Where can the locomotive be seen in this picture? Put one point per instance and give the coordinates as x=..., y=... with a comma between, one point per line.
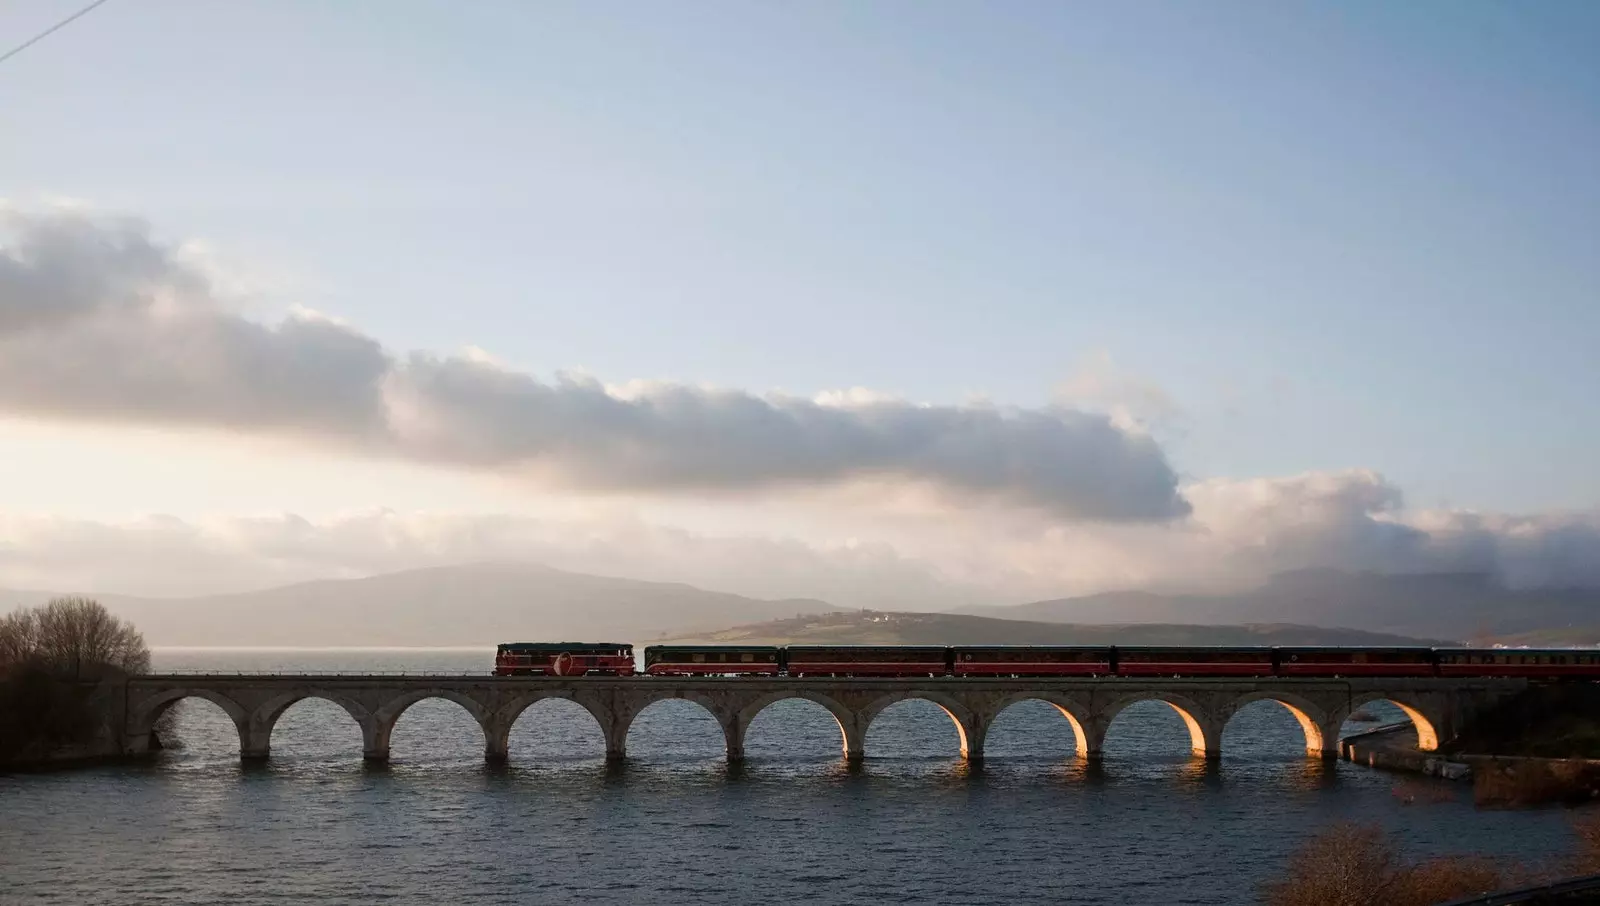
x=563, y=659
x=613, y=659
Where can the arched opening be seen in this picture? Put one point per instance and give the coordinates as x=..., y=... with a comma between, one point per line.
x=313, y=728
x=1271, y=729
x=194, y=729
x=435, y=728
x=1376, y=713
x=794, y=730
x=1033, y=729
x=676, y=730
x=1154, y=730
x=914, y=728
x=556, y=731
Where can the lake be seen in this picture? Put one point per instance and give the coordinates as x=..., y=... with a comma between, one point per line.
x=676, y=824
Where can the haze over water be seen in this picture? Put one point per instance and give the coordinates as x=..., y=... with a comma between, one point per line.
x=914, y=824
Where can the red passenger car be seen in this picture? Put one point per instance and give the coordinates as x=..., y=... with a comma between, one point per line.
x=711, y=660
x=1355, y=661
x=867, y=660
x=1031, y=660
x=1571, y=662
x=1152, y=661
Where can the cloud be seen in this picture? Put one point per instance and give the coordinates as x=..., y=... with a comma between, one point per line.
x=1241, y=532
x=99, y=321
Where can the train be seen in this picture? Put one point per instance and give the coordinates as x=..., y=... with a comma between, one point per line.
x=617, y=659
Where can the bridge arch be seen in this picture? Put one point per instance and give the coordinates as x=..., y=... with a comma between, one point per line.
x=1320, y=737
x=1426, y=723
x=265, y=717
x=732, y=736
x=142, y=720
x=963, y=718
x=1077, y=716
x=498, y=728
x=1205, y=732
x=850, y=732
x=389, y=713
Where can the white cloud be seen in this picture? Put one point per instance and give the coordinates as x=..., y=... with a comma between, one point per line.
x=1240, y=533
x=100, y=322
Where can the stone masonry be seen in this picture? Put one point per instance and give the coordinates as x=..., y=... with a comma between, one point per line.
x=1438, y=707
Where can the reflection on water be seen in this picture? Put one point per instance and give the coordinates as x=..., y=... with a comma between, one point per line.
x=1033, y=823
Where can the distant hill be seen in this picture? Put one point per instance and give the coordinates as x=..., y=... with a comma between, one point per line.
x=875, y=628
x=456, y=605
x=483, y=603
x=1433, y=605
x=1573, y=637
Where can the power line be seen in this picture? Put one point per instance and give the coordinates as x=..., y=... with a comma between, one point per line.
x=51, y=30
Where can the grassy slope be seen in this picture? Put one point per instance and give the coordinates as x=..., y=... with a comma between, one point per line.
x=1558, y=721
x=868, y=628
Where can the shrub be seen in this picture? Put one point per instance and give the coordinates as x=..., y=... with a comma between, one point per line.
x=1359, y=865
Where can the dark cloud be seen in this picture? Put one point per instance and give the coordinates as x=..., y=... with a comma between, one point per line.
x=99, y=321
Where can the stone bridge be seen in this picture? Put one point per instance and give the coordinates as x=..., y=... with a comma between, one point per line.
x=1438, y=707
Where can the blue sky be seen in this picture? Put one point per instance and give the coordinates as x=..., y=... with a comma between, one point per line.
x=1336, y=234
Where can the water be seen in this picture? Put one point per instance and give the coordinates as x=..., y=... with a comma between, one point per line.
x=677, y=825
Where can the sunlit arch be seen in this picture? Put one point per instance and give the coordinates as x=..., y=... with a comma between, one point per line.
x=1427, y=733
x=841, y=715
x=1067, y=709
x=1306, y=714
x=953, y=709
x=1184, y=707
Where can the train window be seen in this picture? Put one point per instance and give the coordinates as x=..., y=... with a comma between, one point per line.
x=699, y=657
x=747, y=657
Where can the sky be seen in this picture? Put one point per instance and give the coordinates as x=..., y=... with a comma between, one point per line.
x=1025, y=300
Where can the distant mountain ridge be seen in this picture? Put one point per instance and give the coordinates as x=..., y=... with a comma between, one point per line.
x=896, y=628
x=473, y=604
x=1430, y=605
x=482, y=603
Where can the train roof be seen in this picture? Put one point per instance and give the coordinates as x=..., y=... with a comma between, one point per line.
x=715, y=647
x=864, y=645
x=1034, y=647
x=562, y=646
x=1242, y=649
x=1405, y=648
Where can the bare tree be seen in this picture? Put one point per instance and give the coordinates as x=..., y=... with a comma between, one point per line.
x=78, y=634
x=19, y=637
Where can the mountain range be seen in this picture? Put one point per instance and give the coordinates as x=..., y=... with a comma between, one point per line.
x=894, y=628
x=1434, y=605
x=483, y=603
x=473, y=604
